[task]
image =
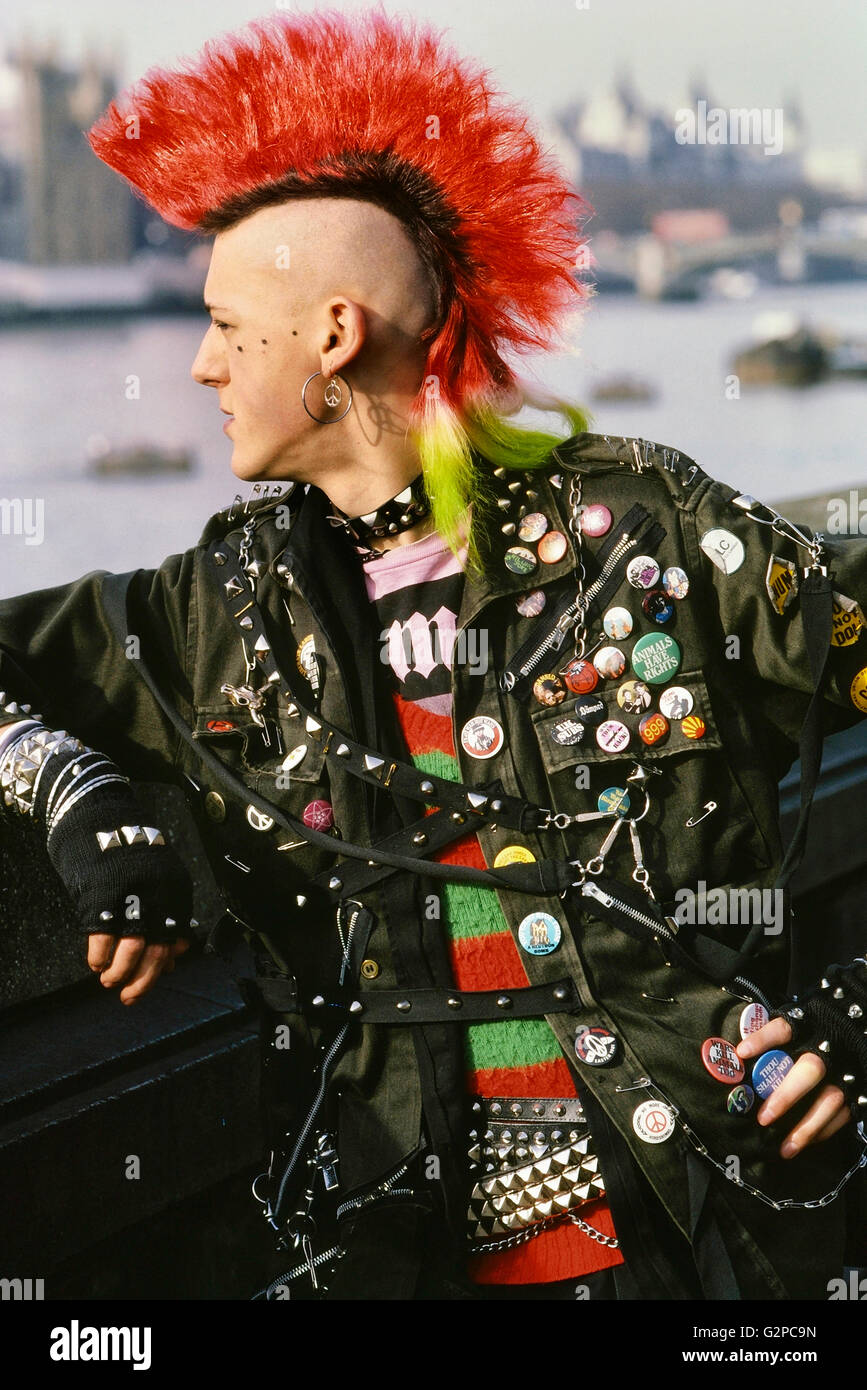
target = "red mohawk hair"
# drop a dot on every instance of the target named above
(373, 108)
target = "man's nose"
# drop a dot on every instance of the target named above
(209, 367)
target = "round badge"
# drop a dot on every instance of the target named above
(675, 702)
(596, 520)
(693, 726)
(642, 572)
(858, 690)
(482, 737)
(532, 527)
(724, 549)
(221, 726)
(539, 933)
(293, 757)
(567, 731)
(613, 799)
(769, 1072)
(581, 676)
(633, 697)
(318, 815)
(740, 1100)
(617, 623)
(675, 582)
(657, 606)
(653, 1122)
(531, 605)
(610, 662)
(595, 1046)
(752, 1018)
(655, 658)
(612, 736)
(258, 819)
(590, 709)
(514, 854)
(549, 689)
(215, 807)
(653, 728)
(552, 547)
(519, 560)
(721, 1060)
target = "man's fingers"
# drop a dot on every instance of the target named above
(775, 1033)
(842, 1118)
(801, 1078)
(126, 957)
(828, 1112)
(99, 950)
(153, 961)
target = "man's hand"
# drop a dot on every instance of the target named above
(132, 962)
(829, 1111)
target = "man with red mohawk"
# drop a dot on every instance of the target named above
(454, 705)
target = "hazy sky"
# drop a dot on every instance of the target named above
(546, 52)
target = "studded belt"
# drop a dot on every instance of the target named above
(533, 1164)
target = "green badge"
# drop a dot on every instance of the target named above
(655, 658)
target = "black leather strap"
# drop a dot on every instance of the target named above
(451, 1005)
(544, 877)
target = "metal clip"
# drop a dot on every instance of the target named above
(597, 863)
(709, 808)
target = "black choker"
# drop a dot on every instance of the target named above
(400, 513)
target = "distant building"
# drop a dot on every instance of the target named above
(58, 204)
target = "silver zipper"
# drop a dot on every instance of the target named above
(590, 890)
(384, 1189)
(553, 643)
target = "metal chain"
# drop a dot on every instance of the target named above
(781, 526)
(594, 1234)
(575, 512)
(785, 1203)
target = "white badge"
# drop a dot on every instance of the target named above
(724, 549)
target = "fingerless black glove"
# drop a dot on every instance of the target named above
(830, 1018)
(121, 875)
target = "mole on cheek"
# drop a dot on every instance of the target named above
(294, 332)
(240, 349)
(264, 340)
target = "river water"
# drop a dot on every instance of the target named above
(62, 389)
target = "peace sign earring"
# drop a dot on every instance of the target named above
(332, 395)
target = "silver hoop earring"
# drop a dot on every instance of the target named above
(333, 395)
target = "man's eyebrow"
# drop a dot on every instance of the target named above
(214, 308)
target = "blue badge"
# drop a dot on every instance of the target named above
(769, 1071)
(539, 933)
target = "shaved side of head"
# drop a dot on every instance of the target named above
(311, 250)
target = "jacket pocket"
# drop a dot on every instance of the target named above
(699, 826)
(288, 754)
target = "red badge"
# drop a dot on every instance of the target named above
(221, 726)
(721, 1060)
(318, 815)
(581, 676)
(693, 726)
(653, 728)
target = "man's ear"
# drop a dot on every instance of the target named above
(345, 334)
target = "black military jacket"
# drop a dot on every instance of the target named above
(399, 1087)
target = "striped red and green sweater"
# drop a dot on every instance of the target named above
(416, 590)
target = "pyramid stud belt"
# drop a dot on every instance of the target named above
(533, 1163)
